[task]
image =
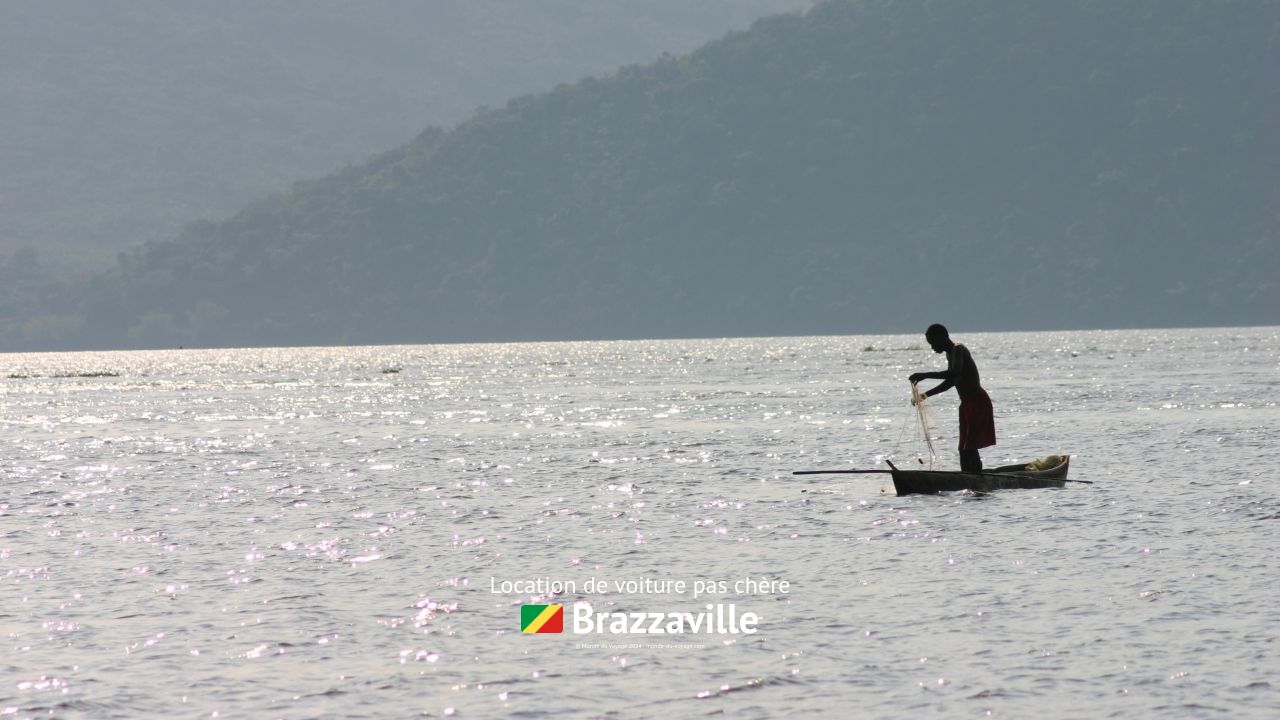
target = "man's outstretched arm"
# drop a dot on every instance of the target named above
(955, 362)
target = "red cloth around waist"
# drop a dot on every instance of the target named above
(977, 421)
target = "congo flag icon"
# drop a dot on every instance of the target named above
(541, 618)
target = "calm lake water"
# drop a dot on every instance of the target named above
(352, 532)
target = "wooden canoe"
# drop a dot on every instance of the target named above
(913, 482)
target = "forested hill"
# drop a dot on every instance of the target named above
(867, 166)
(126, 119)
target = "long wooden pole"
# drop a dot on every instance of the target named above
(841, 472)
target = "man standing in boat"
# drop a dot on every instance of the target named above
(977, 420)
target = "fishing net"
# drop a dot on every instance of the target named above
(924, 419)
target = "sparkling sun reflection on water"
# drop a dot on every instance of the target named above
(308, 532)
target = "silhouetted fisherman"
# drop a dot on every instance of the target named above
(977, 420)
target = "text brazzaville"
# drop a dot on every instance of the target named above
(718, 619)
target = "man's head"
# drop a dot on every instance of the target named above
(938, 338)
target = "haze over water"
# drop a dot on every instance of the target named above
(317, 532)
